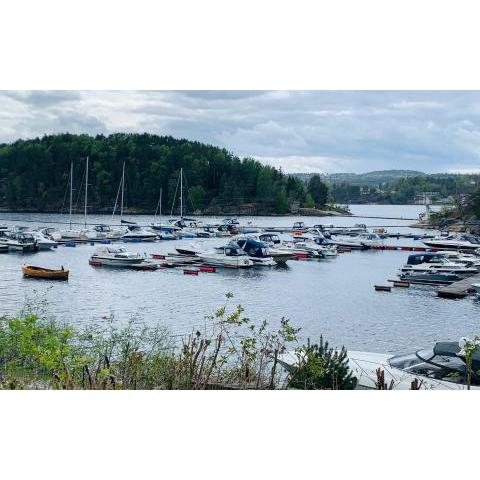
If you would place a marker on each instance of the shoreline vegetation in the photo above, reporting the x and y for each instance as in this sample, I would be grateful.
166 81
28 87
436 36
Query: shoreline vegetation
462 216
228 352
327 211
35 177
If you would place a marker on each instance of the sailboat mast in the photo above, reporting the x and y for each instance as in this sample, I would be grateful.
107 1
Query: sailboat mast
86 191
181 193
71 192
160 205
123 189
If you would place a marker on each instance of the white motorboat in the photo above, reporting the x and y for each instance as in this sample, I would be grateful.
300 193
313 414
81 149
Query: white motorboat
437 263
139 234
258 252
43 242
94 234
276 250
312 248
165 231
71 234
331 229
456 256
299 227
108 232
360 241
114 256
52 233
314 241
230 256
442 367
455 242
23 232
20 242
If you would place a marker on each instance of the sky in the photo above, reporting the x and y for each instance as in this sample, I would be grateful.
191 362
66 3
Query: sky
299 131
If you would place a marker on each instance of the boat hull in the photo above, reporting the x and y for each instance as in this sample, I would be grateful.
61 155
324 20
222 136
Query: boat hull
225 262
450 246
115 262
44 273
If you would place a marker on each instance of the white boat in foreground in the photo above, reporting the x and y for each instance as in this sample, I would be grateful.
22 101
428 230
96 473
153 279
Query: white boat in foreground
442 367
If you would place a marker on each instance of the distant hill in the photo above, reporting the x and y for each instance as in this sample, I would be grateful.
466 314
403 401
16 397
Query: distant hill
369 178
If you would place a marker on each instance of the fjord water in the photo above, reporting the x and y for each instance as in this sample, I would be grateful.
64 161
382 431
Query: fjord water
331 297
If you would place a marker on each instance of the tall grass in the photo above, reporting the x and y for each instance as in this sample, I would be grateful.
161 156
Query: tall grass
37 352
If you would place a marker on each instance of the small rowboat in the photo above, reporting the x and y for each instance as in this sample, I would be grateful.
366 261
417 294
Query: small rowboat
46 273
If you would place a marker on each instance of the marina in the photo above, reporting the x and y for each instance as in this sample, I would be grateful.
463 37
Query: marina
180 289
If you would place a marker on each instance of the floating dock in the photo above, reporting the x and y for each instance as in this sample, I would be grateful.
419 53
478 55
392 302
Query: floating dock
459 289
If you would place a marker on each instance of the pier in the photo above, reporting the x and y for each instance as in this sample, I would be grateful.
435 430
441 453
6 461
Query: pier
459 289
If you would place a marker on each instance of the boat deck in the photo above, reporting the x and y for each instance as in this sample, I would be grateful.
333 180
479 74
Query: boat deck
459 289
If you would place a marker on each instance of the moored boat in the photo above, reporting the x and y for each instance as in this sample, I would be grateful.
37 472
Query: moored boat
21 242
45 273
435 263
258 252
115 257
230 255
139 234
455 242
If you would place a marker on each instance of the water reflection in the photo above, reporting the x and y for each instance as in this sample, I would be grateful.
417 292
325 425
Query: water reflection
334 297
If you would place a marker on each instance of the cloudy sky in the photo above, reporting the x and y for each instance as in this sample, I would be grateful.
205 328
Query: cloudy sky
300 131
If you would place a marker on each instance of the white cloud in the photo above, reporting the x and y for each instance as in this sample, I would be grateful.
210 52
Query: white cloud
298 130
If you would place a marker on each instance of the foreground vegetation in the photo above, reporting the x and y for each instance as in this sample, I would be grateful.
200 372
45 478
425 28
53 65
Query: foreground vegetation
34 176
231 352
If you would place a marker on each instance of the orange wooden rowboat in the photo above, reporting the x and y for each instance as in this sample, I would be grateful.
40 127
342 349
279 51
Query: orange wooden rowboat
47 273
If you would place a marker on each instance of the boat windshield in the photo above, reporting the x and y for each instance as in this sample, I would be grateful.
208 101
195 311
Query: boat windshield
273 238
428 364
471 239
234 252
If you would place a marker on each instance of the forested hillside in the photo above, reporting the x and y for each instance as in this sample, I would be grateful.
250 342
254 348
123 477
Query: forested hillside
444 187
34 175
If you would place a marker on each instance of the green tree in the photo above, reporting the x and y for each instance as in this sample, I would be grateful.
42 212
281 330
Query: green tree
309 202
318 190
476 203
196 196
319 367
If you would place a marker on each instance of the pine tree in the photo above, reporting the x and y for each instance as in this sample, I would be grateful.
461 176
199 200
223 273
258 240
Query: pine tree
320 367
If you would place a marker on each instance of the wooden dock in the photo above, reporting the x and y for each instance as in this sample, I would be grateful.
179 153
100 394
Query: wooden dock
459 289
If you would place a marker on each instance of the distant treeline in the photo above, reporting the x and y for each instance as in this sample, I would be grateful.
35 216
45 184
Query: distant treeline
34 176
406 190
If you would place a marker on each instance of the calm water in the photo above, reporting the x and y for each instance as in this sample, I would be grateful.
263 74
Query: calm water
334 297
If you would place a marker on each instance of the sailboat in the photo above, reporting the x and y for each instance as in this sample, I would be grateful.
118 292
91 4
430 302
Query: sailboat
135 233
187 226
165 231
70 233
114 233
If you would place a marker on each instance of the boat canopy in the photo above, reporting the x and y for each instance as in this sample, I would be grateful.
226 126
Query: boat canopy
231 250
110 249
270 237
440 363
418 258
452 349
253 247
